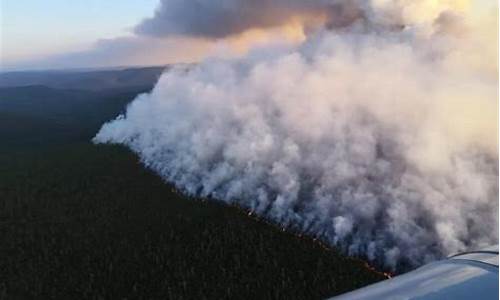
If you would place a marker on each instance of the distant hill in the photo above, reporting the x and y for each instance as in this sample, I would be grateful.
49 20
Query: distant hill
45 107
40 115
84 80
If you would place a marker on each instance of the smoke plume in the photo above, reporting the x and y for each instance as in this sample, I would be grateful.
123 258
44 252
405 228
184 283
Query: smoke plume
378 133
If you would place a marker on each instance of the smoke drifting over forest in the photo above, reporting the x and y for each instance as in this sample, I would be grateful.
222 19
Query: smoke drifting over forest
376 132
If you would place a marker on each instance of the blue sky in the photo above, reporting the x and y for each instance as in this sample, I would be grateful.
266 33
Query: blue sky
35 28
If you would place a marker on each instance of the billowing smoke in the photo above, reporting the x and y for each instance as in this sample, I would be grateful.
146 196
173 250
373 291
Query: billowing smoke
221 18
379 137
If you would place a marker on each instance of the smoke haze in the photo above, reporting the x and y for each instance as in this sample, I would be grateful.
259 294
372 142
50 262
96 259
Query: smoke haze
377 131
122 51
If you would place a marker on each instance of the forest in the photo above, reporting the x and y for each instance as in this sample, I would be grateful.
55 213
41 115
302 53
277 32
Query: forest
86 221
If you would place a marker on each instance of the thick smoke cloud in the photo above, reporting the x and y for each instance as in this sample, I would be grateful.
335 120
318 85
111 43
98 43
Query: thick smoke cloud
222 18
380 141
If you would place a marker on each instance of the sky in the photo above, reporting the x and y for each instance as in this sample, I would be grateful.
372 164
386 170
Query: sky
61 34
32 29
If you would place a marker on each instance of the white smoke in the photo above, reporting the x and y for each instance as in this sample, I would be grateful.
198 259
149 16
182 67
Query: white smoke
380 141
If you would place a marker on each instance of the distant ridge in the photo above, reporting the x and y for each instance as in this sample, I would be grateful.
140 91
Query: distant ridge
84 80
